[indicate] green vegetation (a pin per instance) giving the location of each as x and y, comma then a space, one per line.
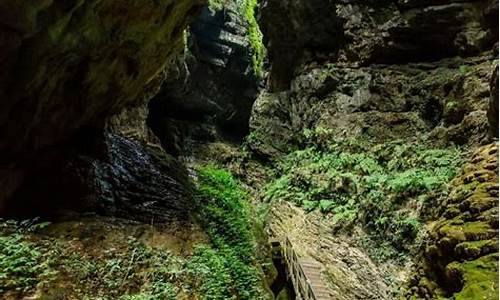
255, 37
22, 265
129, 271
132, 270
480, 278
369, 184
247, 10
156, 270
228, 270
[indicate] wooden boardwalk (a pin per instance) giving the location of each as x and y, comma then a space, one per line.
304, 273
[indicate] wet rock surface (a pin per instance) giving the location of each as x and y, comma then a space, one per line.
104, 173
138, 182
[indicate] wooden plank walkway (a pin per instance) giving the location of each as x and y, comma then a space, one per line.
304, 273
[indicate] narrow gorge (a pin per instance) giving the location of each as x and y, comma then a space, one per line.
162, 149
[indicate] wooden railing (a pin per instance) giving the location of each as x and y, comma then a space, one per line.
295, 272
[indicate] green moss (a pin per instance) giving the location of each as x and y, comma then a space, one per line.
477, 230
255, 37
474, 249
466, 231
480, 279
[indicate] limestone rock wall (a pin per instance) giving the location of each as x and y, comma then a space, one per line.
444, 102
212, 87
366, 32
417, 71
376, 70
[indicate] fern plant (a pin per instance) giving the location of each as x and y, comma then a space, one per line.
351, 180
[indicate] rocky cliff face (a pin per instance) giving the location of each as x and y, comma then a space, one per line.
444, 101
378, 70
360, 33
213, 86
67, 66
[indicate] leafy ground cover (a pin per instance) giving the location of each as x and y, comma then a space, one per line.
381, 187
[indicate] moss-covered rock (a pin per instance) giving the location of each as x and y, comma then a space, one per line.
480, 278
461, 258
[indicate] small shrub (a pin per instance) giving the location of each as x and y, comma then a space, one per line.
216, 5
223, 275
